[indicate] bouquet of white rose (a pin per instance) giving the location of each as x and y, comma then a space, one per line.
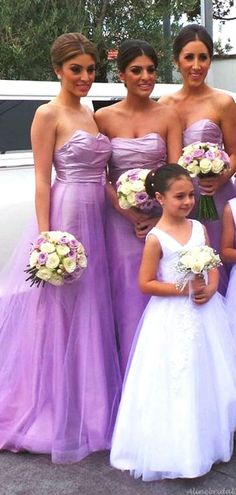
195, 261
56, 257
131, 190
204, 160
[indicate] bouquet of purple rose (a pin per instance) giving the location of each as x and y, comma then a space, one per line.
131, 190
204, 160
56, 257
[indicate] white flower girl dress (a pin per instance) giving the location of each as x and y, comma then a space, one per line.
178, 408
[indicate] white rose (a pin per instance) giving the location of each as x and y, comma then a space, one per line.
52, 261
62, 249
143, 174
123, 203
217, 166
193, 168
80, 248
138, 186
190, 148
131, 199
205, 257
186, 260
44, 274
82, 259
33, 258
69, 265
56, 280
124, 189
70, 237
181, 161
54, 235
197, 266
47, 247
205, 165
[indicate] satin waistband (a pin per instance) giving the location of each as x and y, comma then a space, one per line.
77, 177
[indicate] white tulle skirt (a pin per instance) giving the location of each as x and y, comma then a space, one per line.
178, 409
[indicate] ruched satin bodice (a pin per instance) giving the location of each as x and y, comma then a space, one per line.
203, 130
82, 158
148, 151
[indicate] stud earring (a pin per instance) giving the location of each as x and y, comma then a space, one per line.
58, 77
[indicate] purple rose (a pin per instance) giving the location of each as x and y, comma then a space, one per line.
73, 243
224, 156
63, 240
40, 240
210, 155
42, 258
198, 153
188, 159
141, 197
72, 254
132, 176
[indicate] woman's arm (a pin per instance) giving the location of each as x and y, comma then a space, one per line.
174, 137
148, 282
132, 214
227, 250
43, 135
202, 292
228, 126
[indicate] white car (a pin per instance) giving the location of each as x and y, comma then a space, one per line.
18, 102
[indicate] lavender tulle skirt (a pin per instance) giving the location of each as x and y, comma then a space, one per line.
59, 373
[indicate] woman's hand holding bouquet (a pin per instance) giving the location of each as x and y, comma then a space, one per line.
56, 257
207, 162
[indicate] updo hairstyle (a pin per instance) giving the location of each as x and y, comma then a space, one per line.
130, 49
160, 180
192, 32
70, 45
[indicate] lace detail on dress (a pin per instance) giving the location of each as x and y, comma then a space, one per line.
187, 330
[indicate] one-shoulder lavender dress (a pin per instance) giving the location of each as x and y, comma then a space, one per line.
59, 370
124, 249
205, 130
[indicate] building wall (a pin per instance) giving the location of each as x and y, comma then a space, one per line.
222, 74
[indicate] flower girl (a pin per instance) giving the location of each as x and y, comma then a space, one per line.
178, 409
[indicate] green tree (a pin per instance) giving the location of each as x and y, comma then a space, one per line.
28, 27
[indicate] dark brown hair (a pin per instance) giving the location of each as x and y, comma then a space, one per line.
192, 32
130, 49
69, 45
159, 180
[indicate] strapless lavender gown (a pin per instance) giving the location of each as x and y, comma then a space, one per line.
231, 290
123, 248
59, 371
205, 130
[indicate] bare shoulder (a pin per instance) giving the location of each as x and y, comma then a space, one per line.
106, 115
170, 99
88, 110
169, 111
47, 113
152, 241
105, 112
166, 99
223, 100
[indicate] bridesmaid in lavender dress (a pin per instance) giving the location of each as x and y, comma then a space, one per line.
206, 115
59, 370
143, 134
228, 253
